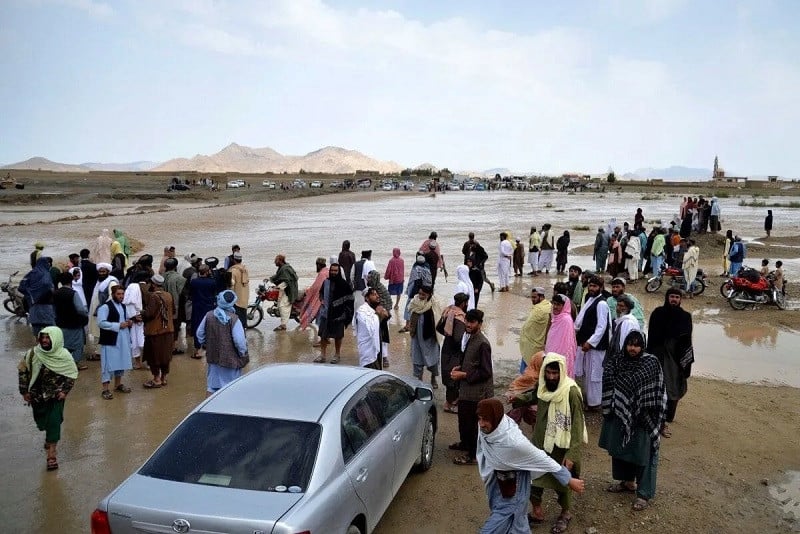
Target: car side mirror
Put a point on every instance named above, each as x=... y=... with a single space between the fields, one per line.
x=423 y=394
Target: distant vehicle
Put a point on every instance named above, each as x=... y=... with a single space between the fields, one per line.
x=364 y=184
x=235 y=184
x=260 y=456
x=480 y=187
x=299 y=184
x=469 y=186
x=178 y=187
x=316 y=184
x=422 y=188
x=387 y=187
x=268 y=184
x=336 y=184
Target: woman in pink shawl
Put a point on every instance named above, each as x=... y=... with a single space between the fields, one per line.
x=561 y=335
x=395 y=274
x=312 y=301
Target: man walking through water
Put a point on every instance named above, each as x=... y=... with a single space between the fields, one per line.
x=504 y=253
x=669 y=338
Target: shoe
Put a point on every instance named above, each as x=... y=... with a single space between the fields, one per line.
x=335 y=359
x=82 y=366
x=280 y=328
x=319 y=359
x=107 y=395
x=386 y=363
x=434 y=383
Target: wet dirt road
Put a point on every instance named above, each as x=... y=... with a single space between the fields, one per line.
x=104 y=441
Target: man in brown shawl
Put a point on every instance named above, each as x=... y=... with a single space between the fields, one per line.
x=158 y=331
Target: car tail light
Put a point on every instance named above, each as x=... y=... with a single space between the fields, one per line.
x=304 y=532
x=100 y=523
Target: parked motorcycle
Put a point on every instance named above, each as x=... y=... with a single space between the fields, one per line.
x=270 y=293
x=750 y=289
x=676 y=280
x=15 y=302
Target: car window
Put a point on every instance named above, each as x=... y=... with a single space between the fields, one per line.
x=237 y=451
x=389 y=396
x=359 y=424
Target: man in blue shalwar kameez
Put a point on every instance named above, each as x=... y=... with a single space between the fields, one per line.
x=115 y=342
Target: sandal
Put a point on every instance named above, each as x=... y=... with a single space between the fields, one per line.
x=122 y=388
x=196 y=356
x=93 y=357
x=280 y=328
x=82 y=367
x=52 y=464
x=151 y=384
x=464 y=460
x=622 y=487
x=561 y=525
x=451 y=409
x=665 y=431
x=533 y=520
x=335 y=359
x=403 y=330
x=640 y=504
x=107 y=395
x=319 y=359
x=163 y=382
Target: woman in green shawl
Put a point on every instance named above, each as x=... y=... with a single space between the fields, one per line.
x=47 y=373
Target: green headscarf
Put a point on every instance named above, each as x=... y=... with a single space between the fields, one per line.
x=123 y=241
x=57 y=359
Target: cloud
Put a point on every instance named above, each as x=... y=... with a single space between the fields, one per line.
x=95 y=9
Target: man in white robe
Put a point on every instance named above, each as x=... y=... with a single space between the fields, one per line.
x=592 y=332
x=133 y=308
x=366 y=328
x=633 y=251
x=505 y=251
x=115 y=342
x=99 y=296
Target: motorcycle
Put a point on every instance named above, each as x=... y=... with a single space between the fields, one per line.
x=15 y=302
x=676 y=280
x=756 y=289
x=270 y=293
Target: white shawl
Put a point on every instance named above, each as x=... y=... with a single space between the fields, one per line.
x=133 y=306
x=77 y=285
x=366 y=329
x=464 y=285
x=507 y=449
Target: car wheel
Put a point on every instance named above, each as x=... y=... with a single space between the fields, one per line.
x=354 y=529
x=254 y=316
x=426 y=448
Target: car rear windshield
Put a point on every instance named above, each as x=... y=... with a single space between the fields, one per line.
x=240 y=452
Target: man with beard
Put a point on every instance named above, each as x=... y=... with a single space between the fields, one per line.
x=617 y=292
x=468 y=246
x=624 y=324
x=592 y=329
x=385 y=299
x=507 y=461
x=519 y=258
x=203 y=291
x=560 y=431
x=548 y=249
x=240 y=284
x=346 y=261
x=419 y=276
x=475 y=378
x=158 y=327
x=115 y=342
x=362 y=267
x=452 y=326
x=574 y=286
x=633 y=252
x=286 y=280
x=71 y=317
x=424 y=344
x=533 y=334
x=504 y=253
x=366 y=328
x=173 y=284
x=433 y=255
x=335 y=312
x=100 y=295
x=600 y=252
x=669 y=336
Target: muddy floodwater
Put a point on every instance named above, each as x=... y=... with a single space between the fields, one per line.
x=104 y=441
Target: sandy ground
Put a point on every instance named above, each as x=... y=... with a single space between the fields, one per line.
x=731 y=466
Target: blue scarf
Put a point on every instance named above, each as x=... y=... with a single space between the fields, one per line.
x=225 y=302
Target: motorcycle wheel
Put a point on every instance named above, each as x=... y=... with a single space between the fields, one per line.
x=734 y=301
x=8 y=304
x=254 y=316
x=726 y=289
x=653 y=284
x=699 y=287
x=780 y=300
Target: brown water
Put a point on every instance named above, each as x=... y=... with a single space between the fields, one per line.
x=104 y=441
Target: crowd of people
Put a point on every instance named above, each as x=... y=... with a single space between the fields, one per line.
x=585 y=349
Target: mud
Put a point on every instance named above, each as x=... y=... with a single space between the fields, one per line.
x=729 y=437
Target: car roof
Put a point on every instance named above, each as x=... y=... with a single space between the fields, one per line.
x=295 y=391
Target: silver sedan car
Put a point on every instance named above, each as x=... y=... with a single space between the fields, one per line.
x=286 y=449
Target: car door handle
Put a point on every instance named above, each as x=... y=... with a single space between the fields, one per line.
x=363 y=473
x=397 y=435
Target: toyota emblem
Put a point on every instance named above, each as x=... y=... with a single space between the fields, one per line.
x=181 y=526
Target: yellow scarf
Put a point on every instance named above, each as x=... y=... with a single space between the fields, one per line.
x=558 y=432
x=57 y=359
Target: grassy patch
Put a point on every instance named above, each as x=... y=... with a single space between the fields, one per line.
x=582 y=228
x=651 y=197
x=721 y=194
x=548 y=205
x=763 y=204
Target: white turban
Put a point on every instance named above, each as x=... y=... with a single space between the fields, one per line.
x=106 y=266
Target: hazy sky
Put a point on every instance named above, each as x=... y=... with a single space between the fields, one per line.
x=581 y=85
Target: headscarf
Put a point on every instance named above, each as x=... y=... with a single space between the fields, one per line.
x=558 y=432
x=451 y=314
x=395 y=270
x=530 y=377
x=491 y=409
x=633 y=391
x=225 y=302
x=561 y=336
x=506 y=448
x=464 y=285
x=374 y=280
x=77 y=285
x=339 y=296
x=57 y=359
x=311 y=301
x=126 y=248
x=38 y=281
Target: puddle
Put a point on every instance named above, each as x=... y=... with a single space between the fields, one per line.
x=788 y=496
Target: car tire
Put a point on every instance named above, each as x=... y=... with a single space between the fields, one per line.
x=354 y=529
x=426 y=447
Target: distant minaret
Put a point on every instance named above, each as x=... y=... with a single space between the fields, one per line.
x=716 y=166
